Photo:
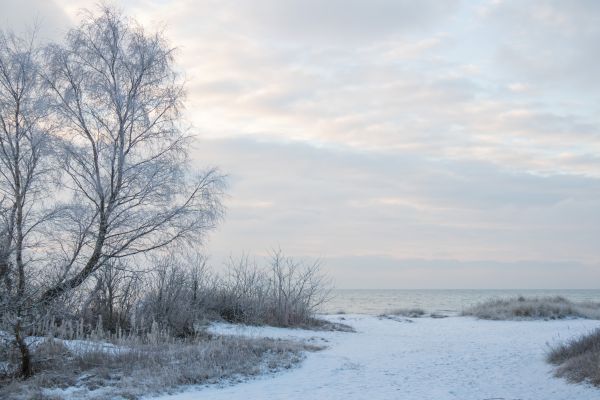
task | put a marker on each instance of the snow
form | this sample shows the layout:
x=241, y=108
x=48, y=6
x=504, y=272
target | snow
x=78, y=346
x=75, y=346
x=221, y=328
x=85, y=346
x=450, y=358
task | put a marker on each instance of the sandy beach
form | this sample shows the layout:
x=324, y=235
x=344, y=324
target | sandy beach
x=449, y=358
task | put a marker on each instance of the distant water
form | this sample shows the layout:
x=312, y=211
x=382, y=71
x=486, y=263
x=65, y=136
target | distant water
x=369, y=301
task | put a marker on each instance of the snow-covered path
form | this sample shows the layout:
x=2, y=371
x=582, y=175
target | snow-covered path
x=452, y=358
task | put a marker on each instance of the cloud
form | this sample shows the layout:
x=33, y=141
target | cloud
x=409, y=130
x=332, y=202
x=23, y=16
x=400, y=88
x=337, y=21
x=553, y=43
x=392, y=273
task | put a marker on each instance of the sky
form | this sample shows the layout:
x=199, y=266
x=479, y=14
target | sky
x=406, y=144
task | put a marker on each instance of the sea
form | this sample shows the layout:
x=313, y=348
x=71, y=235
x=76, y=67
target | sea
x=443, y=301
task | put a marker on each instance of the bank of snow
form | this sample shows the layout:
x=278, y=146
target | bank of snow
x=450, y=358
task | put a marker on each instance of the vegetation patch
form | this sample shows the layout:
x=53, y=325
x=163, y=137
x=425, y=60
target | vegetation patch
x=533, y=308
x=578, y=360
x=405, y=312
x=66, y=369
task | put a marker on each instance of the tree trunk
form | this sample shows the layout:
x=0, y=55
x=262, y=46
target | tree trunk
x=90, y=267
x=26, y=371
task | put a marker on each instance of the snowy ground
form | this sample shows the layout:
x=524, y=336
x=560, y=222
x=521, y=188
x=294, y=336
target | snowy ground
x=451, y=358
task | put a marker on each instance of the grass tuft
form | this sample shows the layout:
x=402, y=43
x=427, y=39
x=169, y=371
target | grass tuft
x=533, y=308
x=578, y=360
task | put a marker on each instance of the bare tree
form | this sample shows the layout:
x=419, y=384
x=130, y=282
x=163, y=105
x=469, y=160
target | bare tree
x=118, y=100
x=24, y=170
x=125, y=187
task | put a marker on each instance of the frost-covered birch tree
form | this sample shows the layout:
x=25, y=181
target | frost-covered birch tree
x=94, y=162
x=117, y=99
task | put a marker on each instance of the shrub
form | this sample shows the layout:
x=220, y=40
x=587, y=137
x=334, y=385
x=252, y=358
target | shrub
x=179, y=294
x=578, y=360
x=286, y=292
x=169, y=305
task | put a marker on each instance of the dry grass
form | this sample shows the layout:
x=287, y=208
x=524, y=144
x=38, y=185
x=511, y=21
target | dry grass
x=405, y=312
x=141, y=369
x=578, y=360
x=324, y=325
x=521, y=308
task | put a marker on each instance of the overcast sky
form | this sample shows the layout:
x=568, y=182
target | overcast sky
x=409, y=144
